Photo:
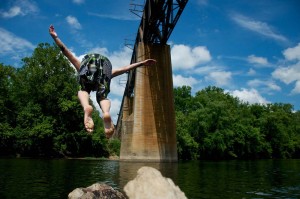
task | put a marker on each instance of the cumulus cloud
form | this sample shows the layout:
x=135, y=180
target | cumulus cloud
x=259, y=27
x=179, y=80
x=269, y=84
x=257, y=60
x=251, y=96
x=288, y=74
x=12, y=12
x=115, y=106
x=220, y=78
x=251, y=72
x=215, y=74
x=12, y=44
x=291, y=72
x=296, y=89
x=292, y=53
x=20, y=8
x=186, y=57
x=120, y=58
x=72, y=21
x=115, y=109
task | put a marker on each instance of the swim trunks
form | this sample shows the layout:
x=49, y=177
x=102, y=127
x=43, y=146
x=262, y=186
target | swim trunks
x=95, y=75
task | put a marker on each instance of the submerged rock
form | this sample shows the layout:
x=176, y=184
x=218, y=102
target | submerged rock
x=150, y=184
x=96, y=191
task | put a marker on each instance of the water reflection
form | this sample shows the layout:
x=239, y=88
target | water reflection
x=128, y=170
x=33, y=178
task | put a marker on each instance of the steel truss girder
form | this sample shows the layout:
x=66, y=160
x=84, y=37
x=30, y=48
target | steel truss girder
x=159, y=20
x=157, y=23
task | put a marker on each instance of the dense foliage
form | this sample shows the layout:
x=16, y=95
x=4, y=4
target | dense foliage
x=40, y=115
x=215, y=125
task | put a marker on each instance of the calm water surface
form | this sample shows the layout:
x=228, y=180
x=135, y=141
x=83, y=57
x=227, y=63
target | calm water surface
x=40, y=178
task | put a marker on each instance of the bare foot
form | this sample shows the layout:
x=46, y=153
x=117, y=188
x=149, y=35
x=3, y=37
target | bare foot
x=109, y=127
x=88, y=121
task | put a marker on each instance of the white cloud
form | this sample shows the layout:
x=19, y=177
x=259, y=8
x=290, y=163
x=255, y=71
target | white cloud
x=291, y=72
x=258, y=27
x=221, y=78
x=100, y=50
x=120, y=58
x=251, y=72
x=215, y=74
x=207, y=69
x=287, y=74
x=114, y=108
x=12, y=44
x=12, y=12
x=271, y=85
x=179, y=80
x=20, y=8
x=292, y=53
x=73, y=22
x=251, y=96
x=184, y=57
x=296, y=90
x=257, y=60
x=123, y=17
x=118, y=84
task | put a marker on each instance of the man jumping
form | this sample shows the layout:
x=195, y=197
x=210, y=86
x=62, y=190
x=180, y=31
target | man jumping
x=95, y=73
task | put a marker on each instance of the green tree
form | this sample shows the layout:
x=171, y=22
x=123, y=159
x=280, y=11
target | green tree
x=47, y=118
x=296, y=133
x=187, y=147
x=214, y=118
x=220, y=126
x=183, y=99
x=278, y=127
x=7, y=109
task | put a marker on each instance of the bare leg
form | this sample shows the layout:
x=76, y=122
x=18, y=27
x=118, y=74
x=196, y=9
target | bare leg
x=108, y=124
x=88, y=109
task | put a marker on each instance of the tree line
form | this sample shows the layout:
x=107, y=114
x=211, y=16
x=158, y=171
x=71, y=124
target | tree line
x=40, y=115
x=215, y=125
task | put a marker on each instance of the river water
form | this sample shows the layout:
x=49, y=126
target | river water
x=55, y=178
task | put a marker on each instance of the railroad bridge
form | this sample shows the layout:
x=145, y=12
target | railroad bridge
x=146, y=122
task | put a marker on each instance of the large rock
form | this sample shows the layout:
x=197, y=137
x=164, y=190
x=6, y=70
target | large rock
x=96, y=191
x=150, y=184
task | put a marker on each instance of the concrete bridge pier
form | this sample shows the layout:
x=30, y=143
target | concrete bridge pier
x=148, y=117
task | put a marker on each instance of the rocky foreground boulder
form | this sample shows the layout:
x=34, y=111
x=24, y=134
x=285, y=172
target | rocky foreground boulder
x=96, y=191
x=148, y=184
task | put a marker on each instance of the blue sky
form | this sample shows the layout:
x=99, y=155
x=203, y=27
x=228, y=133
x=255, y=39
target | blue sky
x=251, y=49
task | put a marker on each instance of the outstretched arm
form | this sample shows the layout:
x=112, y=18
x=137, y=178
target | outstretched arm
x=124, y=69
x=64, y=49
